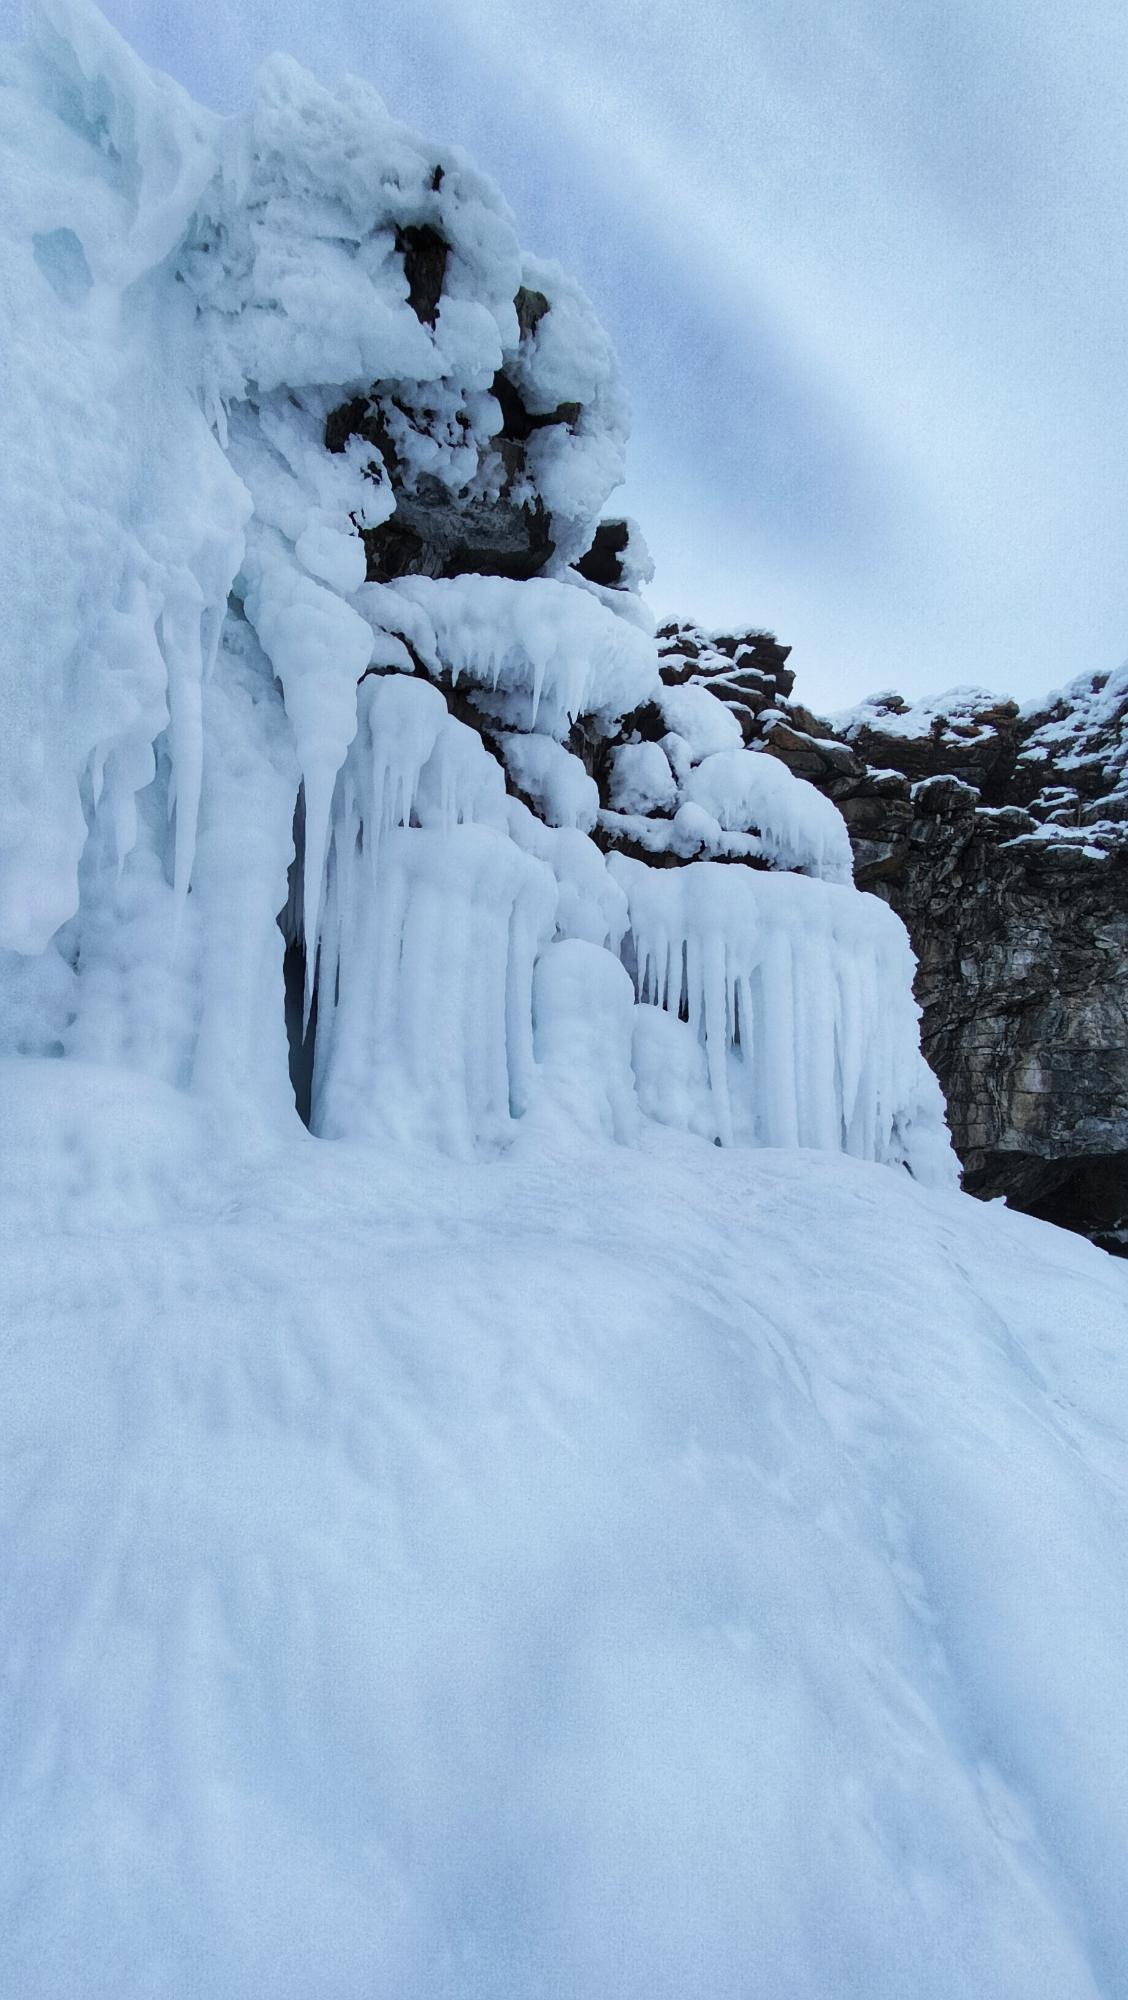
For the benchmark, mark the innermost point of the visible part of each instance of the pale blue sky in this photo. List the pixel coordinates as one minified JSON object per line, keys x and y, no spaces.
{"x":866,"y":263}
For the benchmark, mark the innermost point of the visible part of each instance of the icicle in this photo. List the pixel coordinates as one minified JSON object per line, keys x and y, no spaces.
{"x":179,"y":636}
{"x":554,"y":647}
{"x":539,"y":664}
{"x":318,"y":782}
{"x":716,"y":1019}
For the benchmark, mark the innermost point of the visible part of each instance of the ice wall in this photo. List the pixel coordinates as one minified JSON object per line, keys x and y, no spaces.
{"x":302,"y":688}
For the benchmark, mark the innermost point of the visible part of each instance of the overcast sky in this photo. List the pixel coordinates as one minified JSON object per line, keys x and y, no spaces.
{"x":866,"y":265}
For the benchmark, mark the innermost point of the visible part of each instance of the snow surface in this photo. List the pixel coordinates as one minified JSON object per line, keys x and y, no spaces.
{"x":553,"y":651}
{"x":641,"y":780}
{"x":703,"y":722}
{"x":553,"y":778}
{"x":655,"y":1572}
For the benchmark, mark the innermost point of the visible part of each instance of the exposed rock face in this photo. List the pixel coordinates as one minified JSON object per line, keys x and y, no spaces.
{"x":1000,"y":836}
{"x":493,"y":526}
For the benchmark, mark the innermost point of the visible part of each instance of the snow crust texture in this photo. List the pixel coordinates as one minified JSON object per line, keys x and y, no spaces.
{"x":312,"y":618}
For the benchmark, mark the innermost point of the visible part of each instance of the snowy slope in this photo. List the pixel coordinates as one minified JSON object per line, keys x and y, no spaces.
{"x":652,"y":1573}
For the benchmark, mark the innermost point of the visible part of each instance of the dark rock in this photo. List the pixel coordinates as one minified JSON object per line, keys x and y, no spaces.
{"x":363,"y":418}
{"x":393,"y":549}
{"x":879,"y":828}
{"x":718,"y":659}
{"x":809,"y":756}
{"x":748,"y":717}
{"x":425,"y":255}
{"x":603,"y":563}
{"x":515,"y":420}
{"x":499,"y":557}
{"x":976,"y":742}
{"x":519,"y":423}
{"x":942,"y":795}
{"x":434,"y":532}
{"x":643,"y":725}
{"x":675,"y":670}
{"x":1003,"y":822}
{"x":424,"y":539}
{"x":671,"y":637}
{"x":531,"y":308}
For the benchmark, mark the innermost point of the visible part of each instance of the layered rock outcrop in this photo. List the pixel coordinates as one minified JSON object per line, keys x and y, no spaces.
{"x":1000,"y":836}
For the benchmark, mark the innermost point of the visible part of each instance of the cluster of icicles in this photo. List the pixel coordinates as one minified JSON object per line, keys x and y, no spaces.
{"x":786,"y":1003}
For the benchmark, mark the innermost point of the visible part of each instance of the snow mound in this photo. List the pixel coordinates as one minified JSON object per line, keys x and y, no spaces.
{"x":796,"y":825}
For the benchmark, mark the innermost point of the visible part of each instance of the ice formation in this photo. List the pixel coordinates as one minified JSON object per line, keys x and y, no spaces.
{"x":782,"y":982}
{"x":306,"y":693}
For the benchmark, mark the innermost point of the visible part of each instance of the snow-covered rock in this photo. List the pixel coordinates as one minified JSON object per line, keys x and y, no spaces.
{"x":1000,"y":836}
{"x":263,"y":659}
